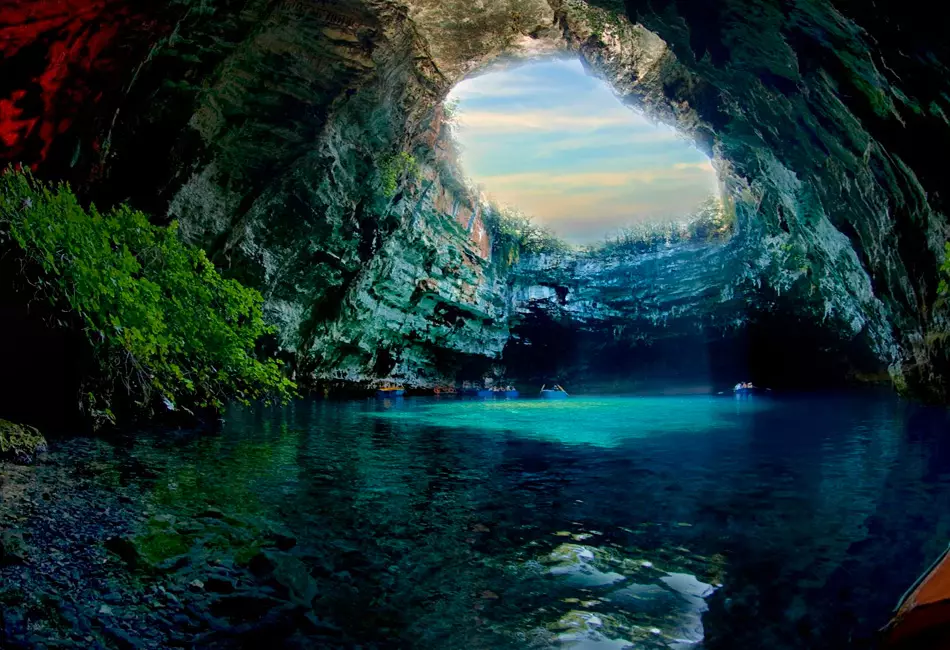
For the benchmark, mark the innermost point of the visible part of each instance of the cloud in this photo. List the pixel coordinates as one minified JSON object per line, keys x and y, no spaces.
{"x":585,"y":206}
{"x":558,"y":144}
{"x":553,"y":121}
{"x":705,"y":166}
{"x":524,"y":80}
{"x":567,"y":182}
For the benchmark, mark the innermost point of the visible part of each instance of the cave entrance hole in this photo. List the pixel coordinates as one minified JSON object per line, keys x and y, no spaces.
{"x":547,"y":139}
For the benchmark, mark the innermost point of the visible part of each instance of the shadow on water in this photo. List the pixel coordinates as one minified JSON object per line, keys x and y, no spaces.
{"x":591,"y":523}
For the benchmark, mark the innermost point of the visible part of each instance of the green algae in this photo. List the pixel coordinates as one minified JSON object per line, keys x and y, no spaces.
{"x":20,"y":442}
{"x":158,"y":546}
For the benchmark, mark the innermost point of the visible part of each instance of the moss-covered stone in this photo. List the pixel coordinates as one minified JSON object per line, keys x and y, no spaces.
{"x":20,"y":442}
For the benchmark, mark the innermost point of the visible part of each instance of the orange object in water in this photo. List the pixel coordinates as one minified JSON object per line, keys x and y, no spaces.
{"x":922,"y":619}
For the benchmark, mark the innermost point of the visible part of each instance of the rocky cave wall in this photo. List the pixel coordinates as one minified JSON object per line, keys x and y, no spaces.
{"x":269,"y":128}
{"x":828,"y":119}
{"x":675,"y":316}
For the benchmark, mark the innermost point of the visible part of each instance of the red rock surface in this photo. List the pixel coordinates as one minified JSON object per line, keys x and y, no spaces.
{"x":58,"y":60}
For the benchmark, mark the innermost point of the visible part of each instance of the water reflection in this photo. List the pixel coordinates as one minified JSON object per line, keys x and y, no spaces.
{"x":590,"y":523}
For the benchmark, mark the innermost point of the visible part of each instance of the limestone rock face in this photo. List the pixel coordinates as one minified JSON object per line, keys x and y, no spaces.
{"x":272,"y":129}
{"x":699,"y":315}
{"x":825,"y":133}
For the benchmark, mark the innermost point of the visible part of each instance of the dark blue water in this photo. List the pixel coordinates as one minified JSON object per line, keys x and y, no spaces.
{"x":595,"y":522}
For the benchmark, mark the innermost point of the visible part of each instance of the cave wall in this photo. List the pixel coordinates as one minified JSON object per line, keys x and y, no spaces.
{"x":266,"y":127}
{"x":827,"y":119}
{"x":268,"y":130}
{"x":693,"y":315}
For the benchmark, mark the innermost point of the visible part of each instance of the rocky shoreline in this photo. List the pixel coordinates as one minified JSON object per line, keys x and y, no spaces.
{"x":87,"y":562}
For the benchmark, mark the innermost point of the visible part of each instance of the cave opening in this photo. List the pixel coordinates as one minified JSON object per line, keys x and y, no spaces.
{"x":549,"y":139}
{"x":634,"y":287}
{"x":642,"y":280}
{"x":301,"y":144}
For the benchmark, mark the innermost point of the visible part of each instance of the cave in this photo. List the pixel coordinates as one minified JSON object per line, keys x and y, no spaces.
{"x":813,"y":132}
{"x":824,"y":142}
{"x":304,"y":147}
{"x":262,"y":132}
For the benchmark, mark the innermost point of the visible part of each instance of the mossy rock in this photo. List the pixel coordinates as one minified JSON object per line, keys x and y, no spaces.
{"x":20,"y":443}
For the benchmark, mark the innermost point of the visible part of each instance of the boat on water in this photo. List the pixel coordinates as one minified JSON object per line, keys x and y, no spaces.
{"x":745,"y":389}
{"x":921,"y":619}
{"x":477,"y":392}
{"x":555,"y":392}
{"x":390,"y":391}
{"x":505,"y":392}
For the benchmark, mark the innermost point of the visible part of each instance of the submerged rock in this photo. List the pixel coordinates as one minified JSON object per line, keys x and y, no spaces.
{"x":125,"y":549}
{"x":13,"y":549}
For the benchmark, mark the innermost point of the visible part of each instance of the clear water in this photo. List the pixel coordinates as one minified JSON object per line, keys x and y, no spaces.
{"x":591,"y":523}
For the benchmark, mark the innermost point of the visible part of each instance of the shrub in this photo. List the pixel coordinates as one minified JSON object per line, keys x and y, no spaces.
{"x":20,"y":442}
{"x":396,"y":167}
{"x":514,"y":234}
{"x":163,"y":324}
{"x":713,"y":221}
{"x":943,"y":289}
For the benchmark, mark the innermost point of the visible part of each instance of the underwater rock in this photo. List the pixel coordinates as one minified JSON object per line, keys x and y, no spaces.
{"x":13,"y":549}
{"x":125,"y":549}
{"x":581,"y":565}
{"x":288,"y":573}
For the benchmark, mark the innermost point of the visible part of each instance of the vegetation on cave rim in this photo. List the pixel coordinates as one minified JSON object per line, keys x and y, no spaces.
{"x":396,"y":167}
{"x":515,"y":234}
{"x":472,"y":30}
{"x":713,"y":221}
{"x":944,"y":287}
{"x":166,"y":329}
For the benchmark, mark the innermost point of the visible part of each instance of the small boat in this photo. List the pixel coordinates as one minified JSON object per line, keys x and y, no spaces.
{"x":390,"y":391}
{"x":555,"y":392}
{"x":444,"y":390}
{"x":744,"y":390}
{"x":921,"y":620}
{"x":505,"y":392}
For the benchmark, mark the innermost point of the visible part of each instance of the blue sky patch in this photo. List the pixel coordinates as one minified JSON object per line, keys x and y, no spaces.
{"x":555,"y":142}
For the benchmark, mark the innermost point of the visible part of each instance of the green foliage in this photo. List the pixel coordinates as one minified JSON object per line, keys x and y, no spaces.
{"x":514,"y":234}
{"x":396,"y":167}
{"x":163,"y":323}
{"x":599,"y":19}
{"x":450,"y":110}
{"x":20,"y":442}
{"x":713,"y":221}
{"x":943,"y":288}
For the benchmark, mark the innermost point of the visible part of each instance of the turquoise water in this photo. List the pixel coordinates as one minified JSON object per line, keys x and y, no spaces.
{"x":592,"y":523}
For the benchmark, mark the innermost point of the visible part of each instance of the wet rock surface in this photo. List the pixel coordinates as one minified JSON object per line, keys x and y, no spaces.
{"x":694,"y":315}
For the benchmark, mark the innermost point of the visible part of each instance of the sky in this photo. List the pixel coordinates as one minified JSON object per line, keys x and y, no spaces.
{"x":551,"y":140}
